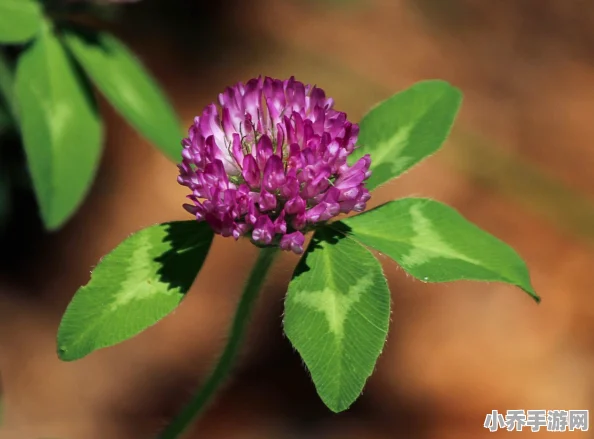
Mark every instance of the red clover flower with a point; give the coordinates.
(271, 163)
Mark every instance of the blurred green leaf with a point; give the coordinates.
(60, 126)
(19, 20)
(141, 281)
(403, 130)
(337, 312)
(129, 87)
(434, 243)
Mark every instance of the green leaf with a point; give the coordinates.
(141, 281)
(19, 20)
(128, 86)
(60, 126)
(434, 243)
(337, 312)
(403, 130)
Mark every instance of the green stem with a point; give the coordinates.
(190, 412)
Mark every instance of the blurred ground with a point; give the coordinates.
(519, 164)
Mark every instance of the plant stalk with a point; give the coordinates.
(202, 397)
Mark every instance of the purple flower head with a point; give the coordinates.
(270, 163)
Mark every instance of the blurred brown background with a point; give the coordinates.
(519, 163)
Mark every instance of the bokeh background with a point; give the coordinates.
(519, 163)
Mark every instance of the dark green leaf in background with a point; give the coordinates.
(141, 281)
(129, 87)
(60, 126)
